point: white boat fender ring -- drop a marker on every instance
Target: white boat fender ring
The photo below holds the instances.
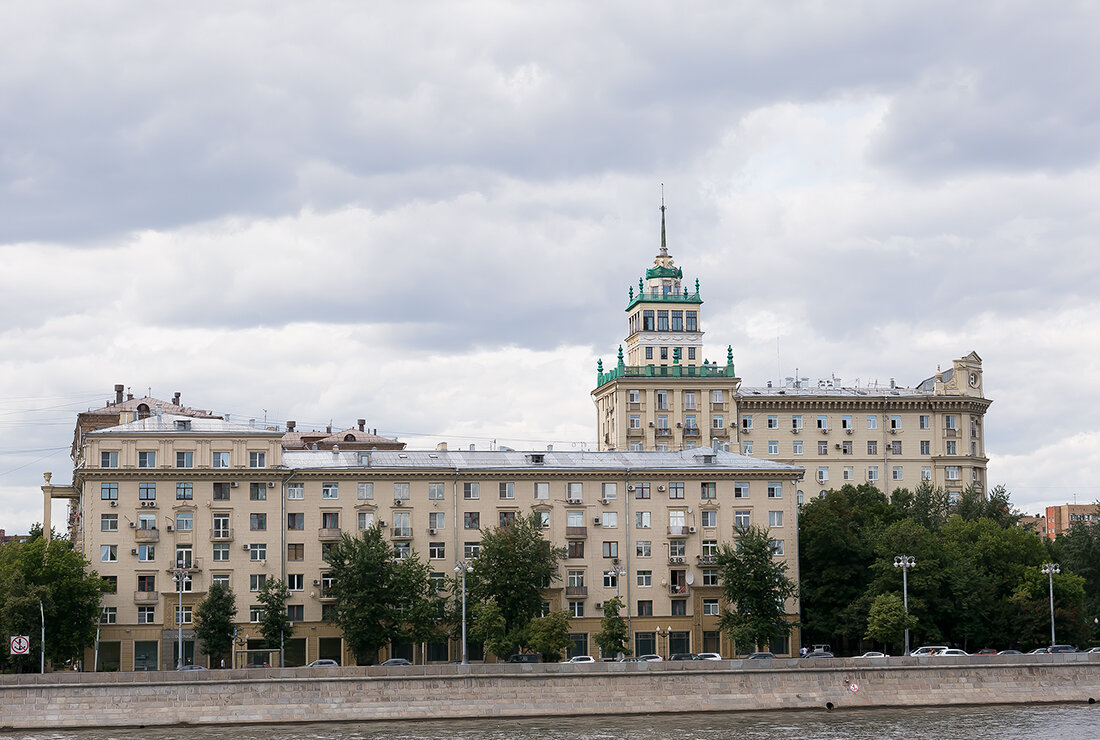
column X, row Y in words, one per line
column 853, row 687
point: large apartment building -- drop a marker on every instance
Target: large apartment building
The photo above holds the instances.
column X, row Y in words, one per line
column 167, row 504
column 665, row 395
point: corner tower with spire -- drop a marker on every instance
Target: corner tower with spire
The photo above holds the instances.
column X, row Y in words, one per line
column 663, row 393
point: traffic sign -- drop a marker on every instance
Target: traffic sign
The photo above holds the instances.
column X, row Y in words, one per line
column 20, row 645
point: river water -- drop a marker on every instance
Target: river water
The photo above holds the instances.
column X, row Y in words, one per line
column 1050, row 722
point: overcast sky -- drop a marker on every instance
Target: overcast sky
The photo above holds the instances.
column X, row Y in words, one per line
column 429, row 214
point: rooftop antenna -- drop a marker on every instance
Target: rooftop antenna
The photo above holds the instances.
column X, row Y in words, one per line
column 664, row 243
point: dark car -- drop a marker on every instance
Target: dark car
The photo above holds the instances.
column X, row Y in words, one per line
column 987, row 651
column 525, row 658
column 192, row 667
column 819, row 654
column 684, row 656
column 396, row 661
column 1062, row 649
column 759, row 656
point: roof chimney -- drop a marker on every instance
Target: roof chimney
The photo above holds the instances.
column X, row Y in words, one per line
column 442, row 446
column 362, row 423
column 176, row 398
column 290, row 426
column 118, row 392
column 328, row 429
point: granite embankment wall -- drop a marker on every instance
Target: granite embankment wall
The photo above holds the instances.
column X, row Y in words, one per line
column 448, row 691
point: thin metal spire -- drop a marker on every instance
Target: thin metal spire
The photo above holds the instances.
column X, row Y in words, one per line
column 664, row 243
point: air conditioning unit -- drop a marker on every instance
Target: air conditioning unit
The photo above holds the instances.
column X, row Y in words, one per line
column 432, row 530
column 679, row 425
column 144, row 504
column 677, row 559
column 691, row 530
column 169, row 527
column 596, row 521
column 246, row 548
column 630, row 488
column 605, row 501
column 823, row 430
column 660, row 488
column 381, row 523
column 893, row 431
column 271, row 484
column 838, row 445
column 797, row 430
column 235, row 484
column 132, row 525
column 152, row 504
column 133, row 551
column 599, row 605
column 848, row 430
column 316, row 582
column 114, row 503
column 651, row 425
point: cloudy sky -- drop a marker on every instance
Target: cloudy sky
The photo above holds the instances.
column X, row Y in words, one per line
column 428, row 214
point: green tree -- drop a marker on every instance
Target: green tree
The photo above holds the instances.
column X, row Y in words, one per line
column 516, row 563
column 1078, row 551
column 365, row 589
column 486, row 626
column 838, row 534
column 756, row 586
column 48, row 576
column 422, row 607
column 613, row 637
column 886, row 620
column 214, row 624
column 1031, row 601
column 275, row 624
column 549, row 635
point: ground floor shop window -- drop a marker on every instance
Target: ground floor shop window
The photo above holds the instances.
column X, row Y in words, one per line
column 645, row 643
column 712, row 642
column 578, row 644
column 145, row 655
column 437, row 651
column 679, row 642
column 779, row 646
column 110, row 656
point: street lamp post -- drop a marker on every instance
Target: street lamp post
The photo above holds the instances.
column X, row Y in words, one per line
column 905, row 562
column 1050, row 569
column 462, row 567
column 179, row 575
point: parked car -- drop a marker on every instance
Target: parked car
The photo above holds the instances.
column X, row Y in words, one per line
column 1010, row 652
column 1062, row 649
column 955, row 652
column 524, row 658
column 759, row 656
column 323, row 663
column 631, row 659
column 872, row 654
column 396, row 661
column 580, row 659
column 818, row 654
column 684, row 656
column 192, row 667
column 1039, row 651
column 709, row 656
column 987, row 651
column 1094, row 650
column 928, row 650
column 258, row 664
column 651, row 658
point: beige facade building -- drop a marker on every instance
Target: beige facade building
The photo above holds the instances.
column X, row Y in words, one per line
column 664, row 395
column 228, row 504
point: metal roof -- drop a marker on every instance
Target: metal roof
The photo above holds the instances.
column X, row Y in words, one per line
column 166, row 423
column 687, row 460
column 787, row 391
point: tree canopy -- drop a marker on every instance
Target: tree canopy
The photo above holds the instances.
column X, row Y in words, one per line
column 214, row 621
column 756, row 586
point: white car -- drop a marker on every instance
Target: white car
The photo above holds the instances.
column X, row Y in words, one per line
column 872, row 654
column 929, row 650
column 1094, row 650
column 651, row 658
column 952, row 652
column 580, row 659
column 709, row 656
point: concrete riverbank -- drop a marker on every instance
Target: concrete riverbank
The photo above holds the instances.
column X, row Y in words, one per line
column 68, row 700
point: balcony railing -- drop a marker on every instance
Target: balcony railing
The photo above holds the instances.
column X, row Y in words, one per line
column 402, row 533
column 576, row 532
column 707, row 559
column 679, row 531
column 147, row 535
column 146, row 597
column 576, row 590
column 643, row 297
column 665, row 371
column 677, row 589
column 221, row 535
column 328, row 534
column 691, row 431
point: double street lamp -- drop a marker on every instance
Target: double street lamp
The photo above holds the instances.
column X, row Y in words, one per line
column 905, row 562
column 180, row 576
column 617, row 571
column 1050, row 569
column 462, row 567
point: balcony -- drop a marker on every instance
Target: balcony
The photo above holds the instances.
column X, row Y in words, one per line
column 707, row 559
column 691, row 431
column 576, row 590
column 635, row 432
column 576, row 532
column 950, row 433
column 147, row 535
column 717, row 406
column 720, row 432
column 329, row 534
column 680, row 530
column 665, row 371
column 401, row 533
column 326, row 595
column 222, row 535
column 677, row 589
column 145, row 598
column 664, row 432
